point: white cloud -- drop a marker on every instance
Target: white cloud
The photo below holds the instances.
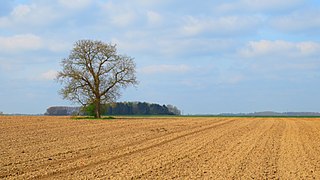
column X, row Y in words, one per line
column 48, row 75
column 308, row 48
column 164, row 69
column 270, row 4
column 75, row 4
column 216, row 78
column 132, row 45
column 123, row 19
column 120, row 15
column 195, row 83
column 44, row 76
column 30, row 15
column 29, row 42
column 231, row 78
column 151, row 3
column 227, row 25
column 258, row 5
column 154, row 18
column 166, row 45
column 56, row 45
column 194, row 26
column 199, row 46
column 21, row 10
column 299, row 21
column 20, row 42
column 280, row 48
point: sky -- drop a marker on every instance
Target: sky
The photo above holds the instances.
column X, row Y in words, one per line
column 205, row 57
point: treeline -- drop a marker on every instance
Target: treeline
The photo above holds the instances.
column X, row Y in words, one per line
column 63, row 111
column 119, row 108
column 272, row 113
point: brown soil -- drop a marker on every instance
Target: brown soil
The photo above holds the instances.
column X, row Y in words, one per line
column 159, row 148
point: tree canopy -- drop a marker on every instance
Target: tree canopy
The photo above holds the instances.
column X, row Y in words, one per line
column 117, row 108
column 94, row 73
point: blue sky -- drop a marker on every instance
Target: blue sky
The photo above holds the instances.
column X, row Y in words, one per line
column 204, row 57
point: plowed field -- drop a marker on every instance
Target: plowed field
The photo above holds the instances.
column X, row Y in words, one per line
column 159, row 148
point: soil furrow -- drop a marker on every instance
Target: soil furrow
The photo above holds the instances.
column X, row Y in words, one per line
column 160, row 148
column 90, row 155
column 130, row 152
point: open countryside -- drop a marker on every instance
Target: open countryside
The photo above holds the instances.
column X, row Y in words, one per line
column 158, row 89
column 159, row 148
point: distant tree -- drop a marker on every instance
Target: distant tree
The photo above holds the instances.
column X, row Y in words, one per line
column 89, row 110
column 62, row 111
column 156, row 109
column 143, row 108
column 94, row 73
column 173, row 109
column 1, row 113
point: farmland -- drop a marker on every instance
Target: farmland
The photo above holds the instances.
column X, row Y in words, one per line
column 159, row 148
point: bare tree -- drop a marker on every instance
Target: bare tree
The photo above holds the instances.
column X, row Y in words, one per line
column 94, row 74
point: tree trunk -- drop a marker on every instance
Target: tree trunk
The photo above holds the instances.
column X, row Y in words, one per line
column 97, row 109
